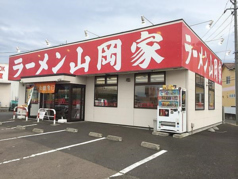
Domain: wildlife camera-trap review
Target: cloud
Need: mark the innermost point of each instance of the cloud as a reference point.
(28, 23)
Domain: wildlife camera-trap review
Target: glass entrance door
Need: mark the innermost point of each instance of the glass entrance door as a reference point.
(62, 99)
(68, 101)
(77, 103)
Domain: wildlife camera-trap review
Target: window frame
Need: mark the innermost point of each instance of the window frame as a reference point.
(211, 87)
(198, 84)
(228, 80)
(105, 85)
(146, 84)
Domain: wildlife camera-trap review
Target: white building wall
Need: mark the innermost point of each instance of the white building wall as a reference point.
(89, 99)
(122, 114)
(8, 89)
(5, 97)
(21, 94)
(176, 77)
(14, 90)
(125, 113)
(202, 118)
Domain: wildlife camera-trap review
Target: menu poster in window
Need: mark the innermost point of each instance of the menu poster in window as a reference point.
(29, 92)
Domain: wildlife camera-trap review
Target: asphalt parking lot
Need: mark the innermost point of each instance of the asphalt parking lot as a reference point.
(57, 153)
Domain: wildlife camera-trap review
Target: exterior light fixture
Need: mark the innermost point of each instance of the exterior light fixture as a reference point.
(47, 42)
(228, 52)
(143, 18)
(86, 34)
(221, 40)
(21, 82)
(18, 50)
(208, 26)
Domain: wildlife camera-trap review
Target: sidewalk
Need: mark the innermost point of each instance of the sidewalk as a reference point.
(4, 109)
(230, 121)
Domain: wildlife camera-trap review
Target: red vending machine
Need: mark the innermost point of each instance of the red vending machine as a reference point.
(171, 110)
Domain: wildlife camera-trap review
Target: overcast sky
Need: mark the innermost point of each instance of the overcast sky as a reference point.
(27, 23)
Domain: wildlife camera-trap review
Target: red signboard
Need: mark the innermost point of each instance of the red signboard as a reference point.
(157, 47)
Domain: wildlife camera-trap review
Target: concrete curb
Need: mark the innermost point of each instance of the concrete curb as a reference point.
(164, 134)
(37, 130)
(0, 123)
(216, 128)
(150, 145)
(179, 136)
(95, 134)
(68, 129)
(21, 127)
(114, 138)
(211, 130)
(54, 124)
(204, 128)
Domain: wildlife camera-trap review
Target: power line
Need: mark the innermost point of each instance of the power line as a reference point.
(228, 39)
(223, 29)
(226, 5)
(216, 20)
(219, 26)
(213, 25)
(6, 52)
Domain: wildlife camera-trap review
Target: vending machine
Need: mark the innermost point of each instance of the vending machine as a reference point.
(171, 110)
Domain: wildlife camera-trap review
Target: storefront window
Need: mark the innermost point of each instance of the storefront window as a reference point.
(211, 94)
(100, 80)
(141, 78)
(106, 91)
(199, 91)
(146, 89)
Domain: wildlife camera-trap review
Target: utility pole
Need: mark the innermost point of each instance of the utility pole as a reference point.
(236, 59)
(236, 54)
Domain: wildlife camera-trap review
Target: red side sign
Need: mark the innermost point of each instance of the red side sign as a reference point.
(199, 58)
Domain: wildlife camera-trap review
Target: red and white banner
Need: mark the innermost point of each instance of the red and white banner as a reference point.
(157, 47)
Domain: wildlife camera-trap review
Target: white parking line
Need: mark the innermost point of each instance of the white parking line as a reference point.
(131, 167)
(7, 121)
(22, 126)
(54, 150)
(32, 135)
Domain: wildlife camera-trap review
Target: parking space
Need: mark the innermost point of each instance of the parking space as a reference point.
(57, 153)
(56, 165)
(111, 155)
